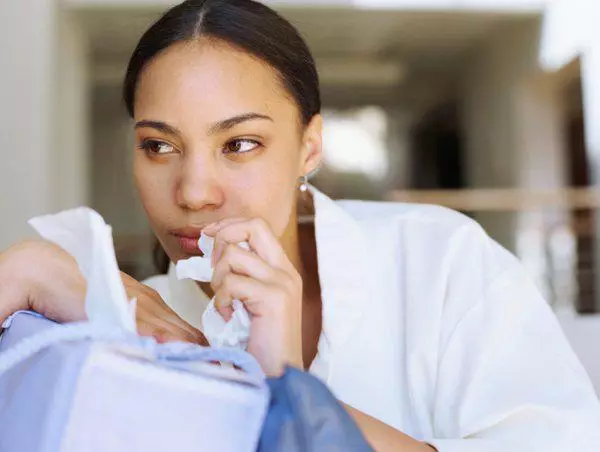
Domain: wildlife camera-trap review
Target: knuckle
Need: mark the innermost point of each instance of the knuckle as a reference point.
(148, 301)
(24, 249)
(229, 251)
(216, 287)
(147, 328)
(228, 282)
(152, 294)
(142, 327)
(195, 337)
(258, 223)
(161, 334)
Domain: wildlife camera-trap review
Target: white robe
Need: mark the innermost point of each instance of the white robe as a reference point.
(433, 328)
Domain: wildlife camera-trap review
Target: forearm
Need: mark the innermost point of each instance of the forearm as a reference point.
(384, 438)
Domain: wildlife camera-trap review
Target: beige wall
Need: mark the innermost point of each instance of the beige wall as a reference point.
(512, 123)
(26, 91)
(72, 120)
(113, 193)
(42, 122)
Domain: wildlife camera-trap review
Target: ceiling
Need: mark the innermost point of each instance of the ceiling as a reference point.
(425, 43)
(338, 32)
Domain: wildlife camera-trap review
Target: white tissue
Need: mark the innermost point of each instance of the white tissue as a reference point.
(219, 333)
(196, 268)
(83, 233)
(206, 244)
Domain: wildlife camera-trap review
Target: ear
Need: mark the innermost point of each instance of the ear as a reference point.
(312, 146)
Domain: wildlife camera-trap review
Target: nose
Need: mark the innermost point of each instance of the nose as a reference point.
(198, 187)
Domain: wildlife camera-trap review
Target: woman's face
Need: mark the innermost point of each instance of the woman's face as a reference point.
(217, 136)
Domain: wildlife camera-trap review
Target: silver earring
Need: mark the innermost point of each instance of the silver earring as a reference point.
(303, 187)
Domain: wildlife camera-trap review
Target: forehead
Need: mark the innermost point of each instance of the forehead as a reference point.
(208, 80)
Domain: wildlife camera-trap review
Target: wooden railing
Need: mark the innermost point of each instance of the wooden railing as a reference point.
(578, 273)
(503, 199)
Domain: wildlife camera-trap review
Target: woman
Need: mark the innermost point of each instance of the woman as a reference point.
(427, 329)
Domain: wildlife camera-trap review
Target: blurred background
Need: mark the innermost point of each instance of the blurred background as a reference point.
(490, 107)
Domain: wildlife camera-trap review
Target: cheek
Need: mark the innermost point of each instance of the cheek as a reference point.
(153, 191)
(267, 191)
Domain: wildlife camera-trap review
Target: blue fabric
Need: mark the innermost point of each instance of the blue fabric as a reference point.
(26, 397)
(36, 394)
(304, 416)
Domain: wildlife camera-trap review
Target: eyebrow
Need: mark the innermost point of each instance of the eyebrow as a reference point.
(230, 123)
(157, 125)
(220, 126)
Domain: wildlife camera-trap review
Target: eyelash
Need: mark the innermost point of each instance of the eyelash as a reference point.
(148, 145)
(255, 144)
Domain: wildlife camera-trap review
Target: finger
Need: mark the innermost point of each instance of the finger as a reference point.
(258, 298)
(167, 333)
(212, 229)
(170, 325)
(236, 287)
(183, 329)
(259, 237)
(220, 247)
(224, 304)
(242, 262)
(217, 252)
(153, 311)
(163, 336)
(225, 310)
(148, 330)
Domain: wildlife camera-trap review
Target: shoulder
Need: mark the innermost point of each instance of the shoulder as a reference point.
(420, 221)
(449, 244)
(407, 214)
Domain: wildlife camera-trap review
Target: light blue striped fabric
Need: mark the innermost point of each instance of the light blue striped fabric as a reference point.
(40, 363)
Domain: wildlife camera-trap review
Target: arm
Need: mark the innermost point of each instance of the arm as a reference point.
(384, 438)
(544, 402)
(41, 277)
(271, 289)
(510, 379)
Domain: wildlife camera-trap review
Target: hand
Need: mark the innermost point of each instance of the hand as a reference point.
(267, 283)
(155, 318)
(42, 277)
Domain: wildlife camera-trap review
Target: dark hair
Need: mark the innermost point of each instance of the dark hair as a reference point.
(246, 24)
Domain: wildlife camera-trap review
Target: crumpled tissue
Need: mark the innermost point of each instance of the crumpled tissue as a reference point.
(83, 233)
(219, 333)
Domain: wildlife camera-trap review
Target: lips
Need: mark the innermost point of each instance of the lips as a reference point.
(189, 244)
(188, 239)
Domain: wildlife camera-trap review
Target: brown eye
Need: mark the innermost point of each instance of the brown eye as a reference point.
(157, 147)
(240, 146)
